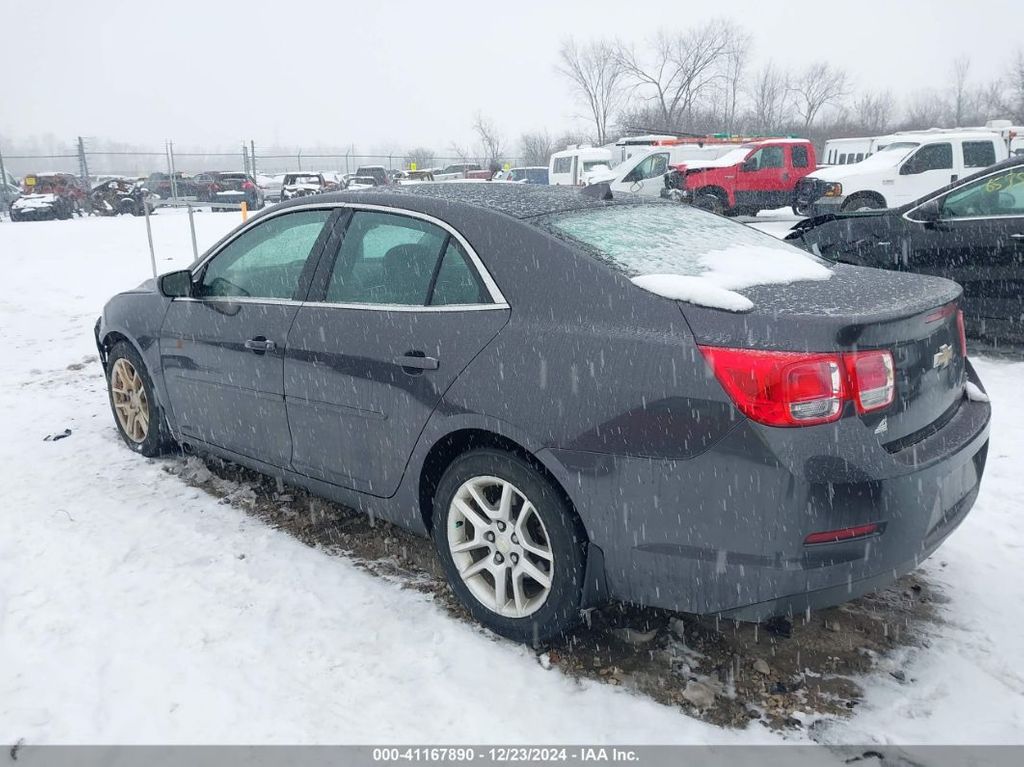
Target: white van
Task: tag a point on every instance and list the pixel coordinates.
(573, 166)
(909, 166)
(846, 151)
(644, 173)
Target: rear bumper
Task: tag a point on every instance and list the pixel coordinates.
(724, 532)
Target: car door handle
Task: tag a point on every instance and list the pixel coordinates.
(259, 344)
(417, 361)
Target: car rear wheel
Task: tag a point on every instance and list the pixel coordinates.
(138, 418)
(511, 546)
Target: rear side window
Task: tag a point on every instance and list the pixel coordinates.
(799, 156)
(385, 259)
(979, 154)
(457, 281)
(563, 165)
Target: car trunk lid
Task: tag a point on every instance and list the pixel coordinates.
(912, 316)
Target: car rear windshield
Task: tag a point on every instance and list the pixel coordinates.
(663, 238)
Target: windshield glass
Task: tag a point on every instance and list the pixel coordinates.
(302, 180)
(732, 157)
(889, 155)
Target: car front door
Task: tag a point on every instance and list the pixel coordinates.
(760, 182)
(399, 307)
(978, 241)
(931, 167)
(222, 349)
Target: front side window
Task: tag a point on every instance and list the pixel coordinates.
(979, 154)
(766, 157)
(998, 195)
(265, 261)
(929, 157)
(650, 167)
(563, 165)
(385, 259)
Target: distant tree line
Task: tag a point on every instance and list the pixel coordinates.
(701, 80)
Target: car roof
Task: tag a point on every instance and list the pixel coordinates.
(521, 201)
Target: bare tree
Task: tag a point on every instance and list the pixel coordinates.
(816, 87)
(490, 139)
(597, 79)
(771, 105)
(1014, 99)
(461, 153)
(873, 112)
(734, 69)
(961, 97)
(925, 109)
(678, 69)
(536, 148)
(421, 155)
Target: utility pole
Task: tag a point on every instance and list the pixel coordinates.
(83, 163)
(252, 157)
(245, 159)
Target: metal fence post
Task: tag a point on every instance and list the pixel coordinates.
(4, 202)
(192, 227)
(149, 234)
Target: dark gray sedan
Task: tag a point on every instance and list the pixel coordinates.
(579, 398)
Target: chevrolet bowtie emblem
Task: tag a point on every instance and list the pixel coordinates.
(943, 356)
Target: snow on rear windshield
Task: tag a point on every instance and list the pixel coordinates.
(686, 254)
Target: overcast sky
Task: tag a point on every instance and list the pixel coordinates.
(378, 74)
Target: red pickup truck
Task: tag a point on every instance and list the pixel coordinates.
(755, 176)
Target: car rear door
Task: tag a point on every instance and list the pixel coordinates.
(222, 350)
(399, 307)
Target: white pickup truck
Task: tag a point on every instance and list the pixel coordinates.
(909, 167)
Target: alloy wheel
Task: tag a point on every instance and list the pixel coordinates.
(131, 405)
(500, 546)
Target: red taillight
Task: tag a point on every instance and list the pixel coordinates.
(802, 389)
(845, 534)
(872, 379)
(962, 331)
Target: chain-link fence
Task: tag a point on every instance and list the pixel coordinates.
(96, 165)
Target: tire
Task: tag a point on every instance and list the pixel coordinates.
(710, 202)
(801, 210)
(554, 545)
(862, 202)
(149, 438)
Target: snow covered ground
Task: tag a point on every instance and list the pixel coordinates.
(135, 608)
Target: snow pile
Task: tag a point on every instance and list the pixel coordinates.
(728, 270)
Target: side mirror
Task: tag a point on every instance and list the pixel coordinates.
(749, 165)
(907, 168)
(176, 284)
(929, 212)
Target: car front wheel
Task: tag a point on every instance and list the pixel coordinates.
(138, 417)
(511, 546)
